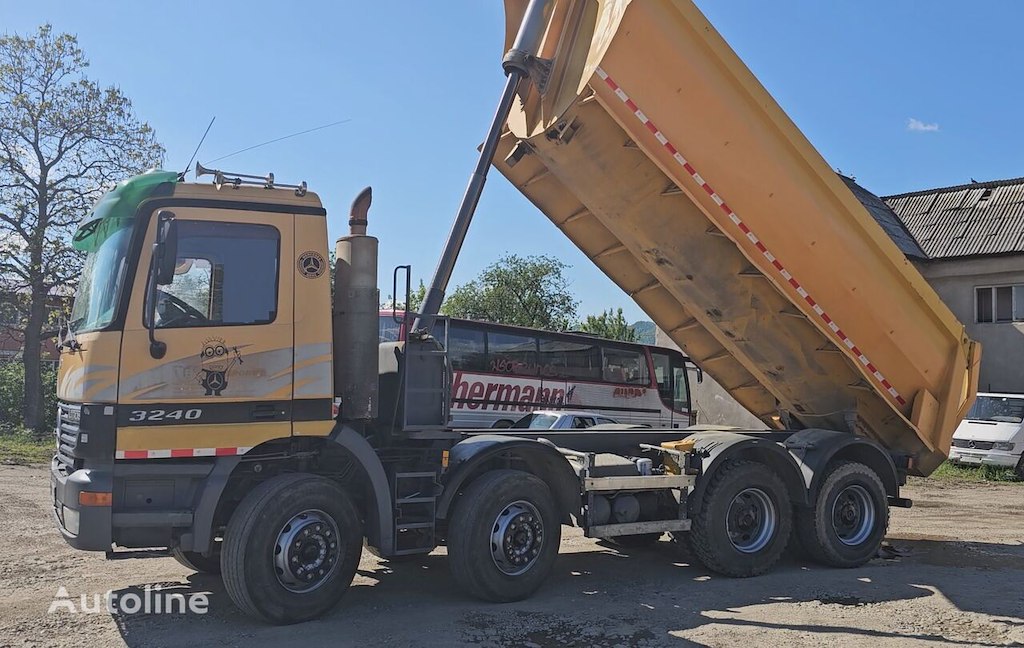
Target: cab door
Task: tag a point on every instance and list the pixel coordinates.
(224, 383)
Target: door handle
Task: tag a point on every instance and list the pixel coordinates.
(267, 413)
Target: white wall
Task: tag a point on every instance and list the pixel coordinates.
(1002, 358)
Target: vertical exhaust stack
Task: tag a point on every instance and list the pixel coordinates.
(356, 307)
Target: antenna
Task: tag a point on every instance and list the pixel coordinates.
(181, 175)
(278, 139)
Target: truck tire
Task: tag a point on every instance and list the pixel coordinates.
(504, 535)
(742, 523)
(848, 521)
(197, 562)
(291, 548)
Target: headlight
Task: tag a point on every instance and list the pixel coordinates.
(1003, 445)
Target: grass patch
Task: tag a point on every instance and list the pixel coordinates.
(23, 448)
(952, 472)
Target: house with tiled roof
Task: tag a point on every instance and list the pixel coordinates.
(972, 239)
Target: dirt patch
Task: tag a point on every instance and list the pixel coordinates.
(952, 574)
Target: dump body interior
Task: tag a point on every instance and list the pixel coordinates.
(660, 155)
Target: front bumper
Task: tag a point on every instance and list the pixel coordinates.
(970, 457)
(83, 527)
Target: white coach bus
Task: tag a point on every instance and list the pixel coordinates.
(503, 372)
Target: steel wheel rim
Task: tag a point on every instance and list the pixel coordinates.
(517, 537)
(307, 551)
(853, 515)
(751, 521)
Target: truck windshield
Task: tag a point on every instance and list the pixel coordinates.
(100, 284)
(999, 409)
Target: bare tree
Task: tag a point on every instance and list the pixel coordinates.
(64, 140)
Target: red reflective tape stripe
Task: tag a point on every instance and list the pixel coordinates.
(136, 454)
(743, 228)
(181, 452)
(220, 452)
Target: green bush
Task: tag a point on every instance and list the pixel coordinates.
(12, 395)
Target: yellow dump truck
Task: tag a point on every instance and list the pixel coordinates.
(217, 405)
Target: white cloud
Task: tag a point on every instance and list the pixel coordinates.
(921, 127)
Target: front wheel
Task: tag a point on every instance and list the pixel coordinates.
(741, 524)
(291, 548)
(504, 535)
(849, 518)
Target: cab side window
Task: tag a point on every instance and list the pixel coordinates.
(226, 275)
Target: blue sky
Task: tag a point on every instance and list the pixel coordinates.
(419, 81)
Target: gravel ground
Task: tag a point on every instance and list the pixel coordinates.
(953, 575)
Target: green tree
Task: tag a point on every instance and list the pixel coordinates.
(525, 291)
(611, 325)
(64, 140)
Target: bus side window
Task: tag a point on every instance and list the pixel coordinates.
(511, 354)
(467, 350)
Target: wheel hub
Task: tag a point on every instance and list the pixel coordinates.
(853, 515)
(517, 536)
(307, 551)
(751, 520)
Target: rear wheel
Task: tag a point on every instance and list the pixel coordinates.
(198, 562)
(849, 519)
(742, 523)
(291, 548)
(504, 535)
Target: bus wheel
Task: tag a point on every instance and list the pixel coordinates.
(291, 548)
(849, 519)
(197, 562)
(742, 523)
(504, 536)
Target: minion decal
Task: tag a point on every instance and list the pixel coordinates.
(215, 363)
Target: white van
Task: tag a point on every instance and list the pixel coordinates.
(992, 434)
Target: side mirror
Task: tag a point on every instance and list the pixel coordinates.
(165, 250)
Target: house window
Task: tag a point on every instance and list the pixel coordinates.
(999, 303)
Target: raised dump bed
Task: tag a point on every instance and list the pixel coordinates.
(659, 154)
